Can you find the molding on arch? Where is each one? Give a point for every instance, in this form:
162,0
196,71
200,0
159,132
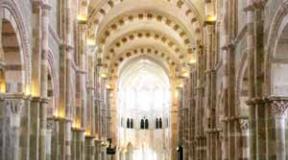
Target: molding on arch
192,33
53,72
239,76
156,58
12,7
273,36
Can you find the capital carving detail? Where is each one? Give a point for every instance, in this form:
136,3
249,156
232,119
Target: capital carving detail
244,124
279,107
14,105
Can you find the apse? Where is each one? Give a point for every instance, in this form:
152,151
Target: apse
144,105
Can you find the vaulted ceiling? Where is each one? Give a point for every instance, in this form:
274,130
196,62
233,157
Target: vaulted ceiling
166,30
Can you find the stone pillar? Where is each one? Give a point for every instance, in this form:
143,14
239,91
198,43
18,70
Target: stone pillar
62,139
97,150
243,138
35,128
15,127
90,92
276,127
78,144
64,111
38,128
255,49
200,134
211,91
229,80
44,80
2,126
49,138
39,79
89,147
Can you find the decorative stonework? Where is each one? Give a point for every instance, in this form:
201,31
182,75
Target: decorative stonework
188,9
279,106
15,105
244,124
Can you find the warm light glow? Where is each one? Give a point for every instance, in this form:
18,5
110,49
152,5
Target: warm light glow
180,84
185,73
60,113
103,72
176,94
2,86
82,18
91,42
211,18
27,90
103,75
76,123
35,90
108,86
192,59
87,132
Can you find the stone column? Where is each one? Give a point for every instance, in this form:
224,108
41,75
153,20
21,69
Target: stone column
89,147
211,91
25,129
90,92
276,127
229,80
16,127
255,48
243,138
61,140
200,134
193,114
97,149
78,141
44,79
35,128
64,111
49,137
2,126
39,78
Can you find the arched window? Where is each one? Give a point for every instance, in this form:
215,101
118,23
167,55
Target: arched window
131,123
142,124
160,123
146,124
128,123
157,121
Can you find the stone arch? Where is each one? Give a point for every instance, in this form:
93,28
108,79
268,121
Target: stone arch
11,12
172,43
141,51
15,68
279,62
277,27
52,86
12,55
141,16
136,43
186,9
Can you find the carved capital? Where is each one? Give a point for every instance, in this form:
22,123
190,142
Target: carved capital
279,106
50,124
244,124
14,103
